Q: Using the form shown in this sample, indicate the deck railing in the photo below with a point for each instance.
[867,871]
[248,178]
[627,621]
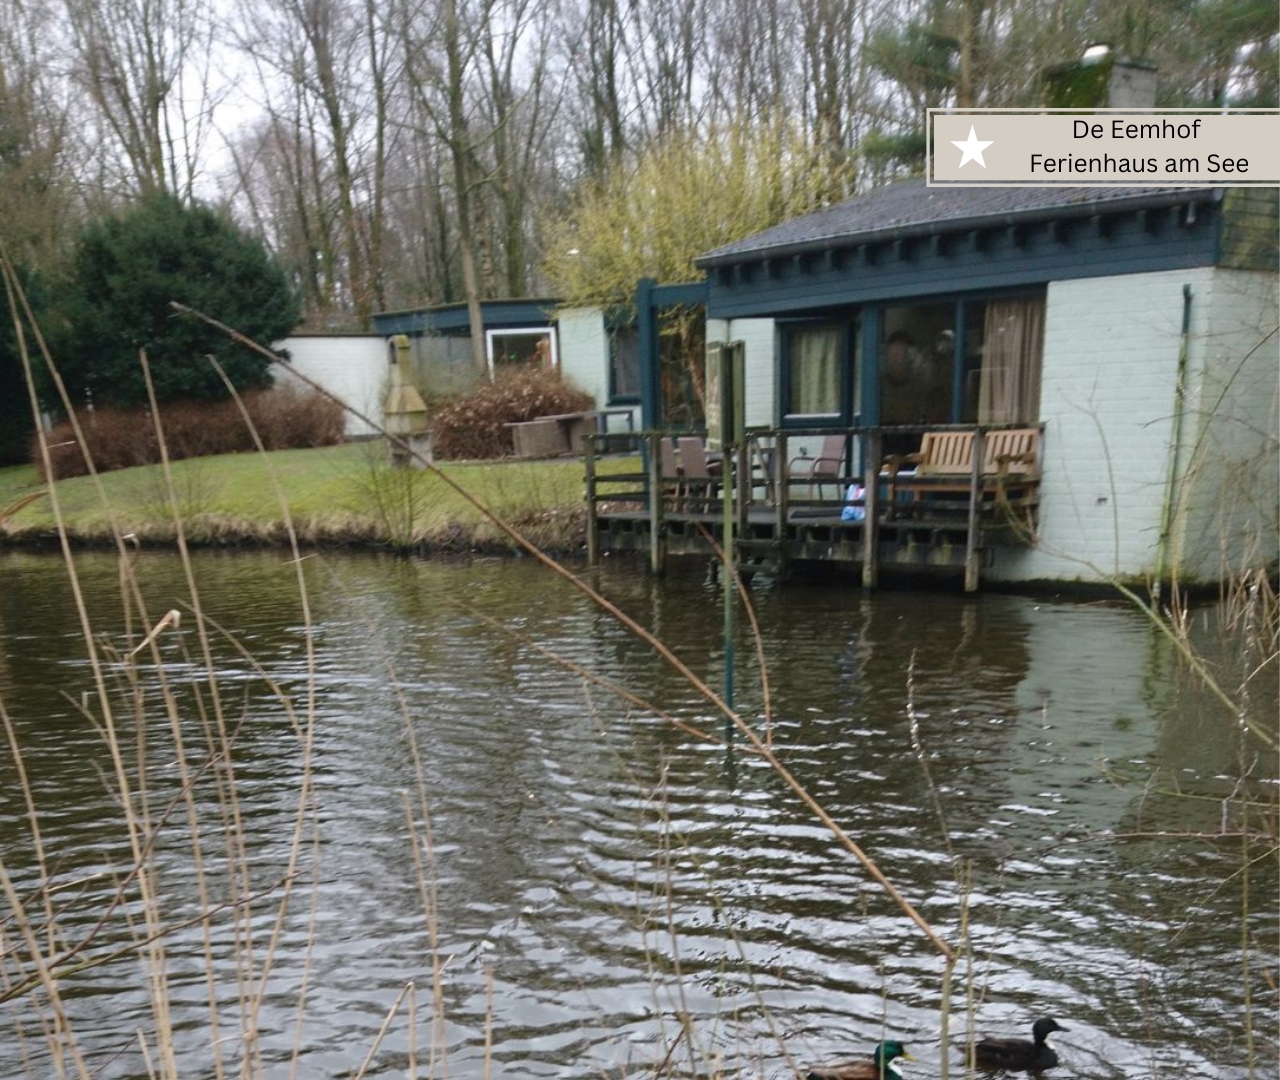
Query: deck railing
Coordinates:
[776,491]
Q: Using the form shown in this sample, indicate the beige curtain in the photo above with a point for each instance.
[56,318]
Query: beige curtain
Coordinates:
[815,370]
[1012,356]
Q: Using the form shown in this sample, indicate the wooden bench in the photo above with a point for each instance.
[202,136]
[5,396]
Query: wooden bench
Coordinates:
[553,436]
[1010,470]
[538,439]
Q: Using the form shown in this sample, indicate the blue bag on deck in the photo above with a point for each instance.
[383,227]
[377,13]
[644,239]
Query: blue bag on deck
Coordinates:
[853,504]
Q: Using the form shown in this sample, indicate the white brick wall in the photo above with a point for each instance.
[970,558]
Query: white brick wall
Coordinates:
[584,359]
[1108,391]
[757,336]
[1230,497]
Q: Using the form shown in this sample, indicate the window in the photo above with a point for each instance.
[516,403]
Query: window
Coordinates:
[1012,356]
[624,364]
[526,345]
[917,358]
[811,365]
[968,361]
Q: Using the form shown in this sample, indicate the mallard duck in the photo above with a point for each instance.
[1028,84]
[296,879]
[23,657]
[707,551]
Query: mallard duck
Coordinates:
[1033,1054]
[883,1065]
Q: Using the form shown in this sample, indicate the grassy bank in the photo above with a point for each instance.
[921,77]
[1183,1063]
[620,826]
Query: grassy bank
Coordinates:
[342,495]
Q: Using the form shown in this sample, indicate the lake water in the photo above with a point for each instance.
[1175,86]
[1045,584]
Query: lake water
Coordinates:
[432,845]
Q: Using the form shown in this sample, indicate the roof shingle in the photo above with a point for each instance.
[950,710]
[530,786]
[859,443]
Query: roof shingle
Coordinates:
[910,206]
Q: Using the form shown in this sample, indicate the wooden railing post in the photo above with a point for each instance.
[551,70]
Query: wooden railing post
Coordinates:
[737,471]
[973,537]
[657,537]
[781,500]
[593,520]
[870,519]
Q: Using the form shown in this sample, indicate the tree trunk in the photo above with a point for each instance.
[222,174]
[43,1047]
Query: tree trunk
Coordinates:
[459,140]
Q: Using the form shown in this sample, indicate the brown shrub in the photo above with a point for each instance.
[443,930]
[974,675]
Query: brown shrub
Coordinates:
[293,416]
[285,416]
[475,426]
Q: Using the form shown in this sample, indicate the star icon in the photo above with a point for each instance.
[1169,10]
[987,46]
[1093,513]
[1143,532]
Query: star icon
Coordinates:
[972,147]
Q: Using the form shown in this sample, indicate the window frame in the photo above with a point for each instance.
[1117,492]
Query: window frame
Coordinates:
[786,329]
[548,332]
[611,336]
[962,304]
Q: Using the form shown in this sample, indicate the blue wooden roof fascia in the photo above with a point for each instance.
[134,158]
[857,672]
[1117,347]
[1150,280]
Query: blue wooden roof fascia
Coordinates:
[1122,236]
[684,292]
[413,323]
[454,319]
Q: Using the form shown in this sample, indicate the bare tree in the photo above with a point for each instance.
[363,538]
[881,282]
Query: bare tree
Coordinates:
[518,104]
[828,31]
[325,71]
[476,74]
[287,190]
[595,50]
[37,166]
[665,44]
[752,59]
[145,67]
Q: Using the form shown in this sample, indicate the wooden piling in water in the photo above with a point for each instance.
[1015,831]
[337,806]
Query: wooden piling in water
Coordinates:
[871,501]
[593,517]
[657,532]
[973,535]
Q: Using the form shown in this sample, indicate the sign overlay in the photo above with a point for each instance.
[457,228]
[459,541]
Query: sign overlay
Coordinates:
[1103,147]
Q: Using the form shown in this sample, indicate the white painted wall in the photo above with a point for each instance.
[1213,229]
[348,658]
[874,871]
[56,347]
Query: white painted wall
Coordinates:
[584,360]
[1107,391]
[1230,493]
[1107,400]
[584,351]
[351,367]
[758,338]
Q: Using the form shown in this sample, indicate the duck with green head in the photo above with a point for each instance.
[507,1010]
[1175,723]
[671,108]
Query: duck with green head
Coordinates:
[883,1065]
[1034,1054]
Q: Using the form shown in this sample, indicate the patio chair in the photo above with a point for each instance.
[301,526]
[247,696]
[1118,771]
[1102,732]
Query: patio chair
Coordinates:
[669,468]
[701,477]
[823,469]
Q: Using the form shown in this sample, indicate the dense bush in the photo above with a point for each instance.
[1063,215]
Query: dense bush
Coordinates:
[125,272]
[475,427]
[16,424]
[284,416]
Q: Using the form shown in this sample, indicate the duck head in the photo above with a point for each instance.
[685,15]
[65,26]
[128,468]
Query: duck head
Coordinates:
[887,1056]
[1044,1027]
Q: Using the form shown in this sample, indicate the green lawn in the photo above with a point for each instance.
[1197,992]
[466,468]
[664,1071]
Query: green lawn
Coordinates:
[343,492]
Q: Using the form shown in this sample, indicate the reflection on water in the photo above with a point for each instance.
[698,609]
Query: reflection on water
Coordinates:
[567,874]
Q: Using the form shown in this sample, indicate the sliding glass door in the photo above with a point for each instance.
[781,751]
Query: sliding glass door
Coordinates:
[960,361]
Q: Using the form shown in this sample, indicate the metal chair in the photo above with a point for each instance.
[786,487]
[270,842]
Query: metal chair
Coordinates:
[670,470]
[823,469]
[700,476]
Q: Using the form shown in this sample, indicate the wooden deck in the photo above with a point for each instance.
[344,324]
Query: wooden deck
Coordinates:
[778,521]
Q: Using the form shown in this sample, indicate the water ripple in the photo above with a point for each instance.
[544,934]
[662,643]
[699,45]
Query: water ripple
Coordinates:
[543,860]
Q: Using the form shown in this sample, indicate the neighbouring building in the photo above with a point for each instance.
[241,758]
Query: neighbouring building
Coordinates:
[352,367]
